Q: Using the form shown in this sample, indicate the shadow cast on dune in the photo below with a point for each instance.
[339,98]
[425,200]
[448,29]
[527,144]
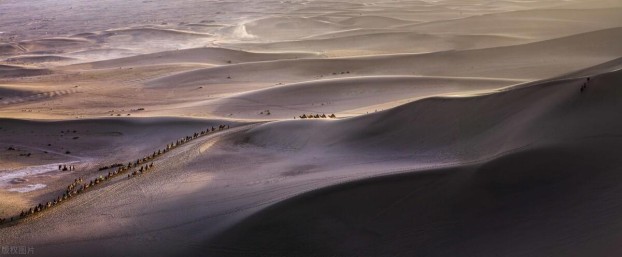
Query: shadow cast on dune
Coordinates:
[556,201]
[551,192]
[11,71]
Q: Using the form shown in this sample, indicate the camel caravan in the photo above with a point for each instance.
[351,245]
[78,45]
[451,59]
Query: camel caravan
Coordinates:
[110,166]
[136,168]
[317,116]
[66,168]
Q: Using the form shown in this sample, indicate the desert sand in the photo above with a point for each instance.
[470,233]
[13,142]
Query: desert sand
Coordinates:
[461,128]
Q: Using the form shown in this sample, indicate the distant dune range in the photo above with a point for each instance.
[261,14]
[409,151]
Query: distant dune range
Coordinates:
[542,24]
[528,61]
[218,56]
[386,42]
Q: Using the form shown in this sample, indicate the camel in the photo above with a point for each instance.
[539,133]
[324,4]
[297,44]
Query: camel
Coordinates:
[76,187]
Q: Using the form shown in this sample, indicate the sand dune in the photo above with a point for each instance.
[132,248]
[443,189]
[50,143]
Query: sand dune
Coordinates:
[13,71]
[372,22]
[207,55]
[538,23]
[20,94]
[73,141]
[91,42]
[15,93]
[52,45]
[514,132]
[9,49]
[526,163]
[610,66]
[133,34]
[343,95]
[100,54]
[108,133]
[147,33]
[447,119]
[538,202]
[386,43]
[284,28]
[9,90]
[34,59]
[537,61]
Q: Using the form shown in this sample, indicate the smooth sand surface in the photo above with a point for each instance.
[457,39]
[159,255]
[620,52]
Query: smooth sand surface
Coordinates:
[463,128]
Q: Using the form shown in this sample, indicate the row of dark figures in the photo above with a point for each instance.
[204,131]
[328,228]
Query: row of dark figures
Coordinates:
[317,116]
[111,166]
[78,187]
[66,168]
[584,86]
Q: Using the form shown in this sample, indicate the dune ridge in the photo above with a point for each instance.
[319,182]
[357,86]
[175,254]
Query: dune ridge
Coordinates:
[207,55]
[497,62]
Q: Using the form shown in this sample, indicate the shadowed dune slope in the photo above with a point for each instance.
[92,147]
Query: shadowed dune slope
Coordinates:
[9,49]
[549,201]
[540,177]
[8,91]
[13,71]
